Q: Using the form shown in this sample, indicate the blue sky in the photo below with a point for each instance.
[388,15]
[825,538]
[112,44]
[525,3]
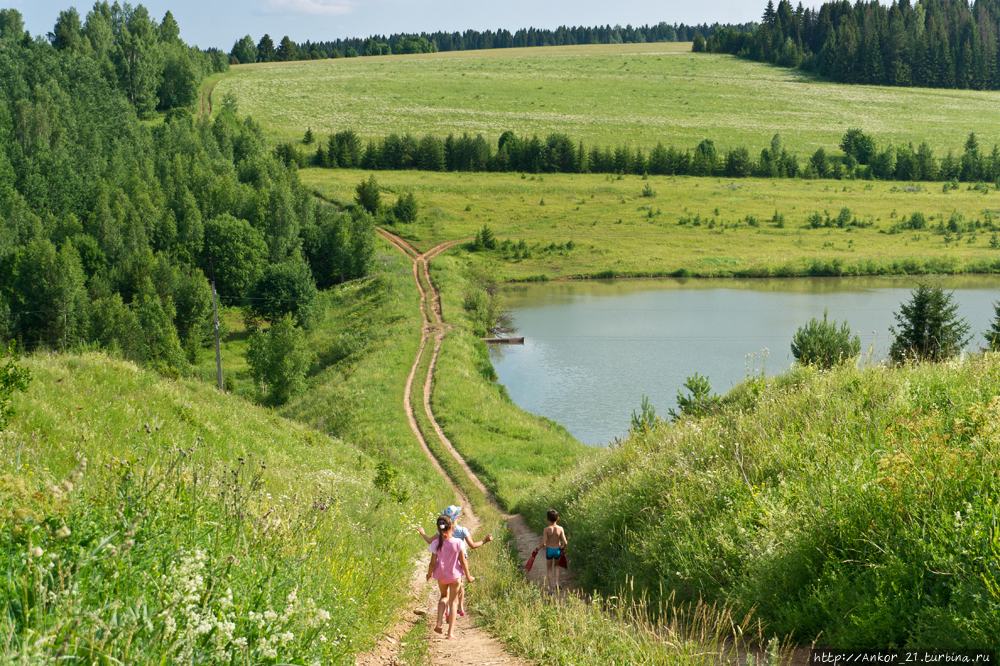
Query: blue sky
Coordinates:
[219,23]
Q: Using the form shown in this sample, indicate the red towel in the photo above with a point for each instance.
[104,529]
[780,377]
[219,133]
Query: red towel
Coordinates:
[562,560]
[531,560]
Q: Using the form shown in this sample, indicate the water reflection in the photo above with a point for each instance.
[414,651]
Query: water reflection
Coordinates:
[592,349]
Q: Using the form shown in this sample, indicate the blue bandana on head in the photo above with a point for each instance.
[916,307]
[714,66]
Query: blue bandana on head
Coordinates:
[453,512]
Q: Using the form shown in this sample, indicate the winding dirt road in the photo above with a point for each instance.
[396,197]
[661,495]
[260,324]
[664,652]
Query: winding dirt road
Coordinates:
[474,646]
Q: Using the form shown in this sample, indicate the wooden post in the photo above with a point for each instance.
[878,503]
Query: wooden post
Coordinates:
[218,352]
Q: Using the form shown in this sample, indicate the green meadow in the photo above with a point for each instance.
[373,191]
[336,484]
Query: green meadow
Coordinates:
[631,94]
[728,225]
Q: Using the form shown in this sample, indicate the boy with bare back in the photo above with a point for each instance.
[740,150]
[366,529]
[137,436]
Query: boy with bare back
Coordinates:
[554,541]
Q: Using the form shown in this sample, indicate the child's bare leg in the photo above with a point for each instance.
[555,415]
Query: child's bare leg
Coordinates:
[549,572]
[461,598]
[453,593]
[555,575]
[442,605]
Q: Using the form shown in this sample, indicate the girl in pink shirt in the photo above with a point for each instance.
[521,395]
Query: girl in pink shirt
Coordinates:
[447,566]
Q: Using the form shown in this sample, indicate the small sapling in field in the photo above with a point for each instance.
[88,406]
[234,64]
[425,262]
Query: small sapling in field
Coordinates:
[822,344]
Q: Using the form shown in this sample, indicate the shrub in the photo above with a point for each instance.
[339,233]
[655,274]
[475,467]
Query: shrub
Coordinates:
[702,400]
[917,221]
[406,209]
[278,360]
[644,421]
[285,288]
[824,345]
[12,378]
[485,240]
[367,195]
[485,304]
[929,328]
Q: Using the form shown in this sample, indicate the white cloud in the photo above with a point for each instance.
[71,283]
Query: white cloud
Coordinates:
[320,7]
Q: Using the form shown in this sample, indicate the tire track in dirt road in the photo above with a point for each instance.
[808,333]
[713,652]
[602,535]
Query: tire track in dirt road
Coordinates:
[474,645]
[525,537]
[206,100]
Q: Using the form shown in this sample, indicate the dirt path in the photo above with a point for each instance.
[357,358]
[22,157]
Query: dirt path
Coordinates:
[206,101]
[473,645]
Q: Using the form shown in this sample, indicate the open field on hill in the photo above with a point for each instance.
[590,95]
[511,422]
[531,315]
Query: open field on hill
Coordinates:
[635,94]
[617,231]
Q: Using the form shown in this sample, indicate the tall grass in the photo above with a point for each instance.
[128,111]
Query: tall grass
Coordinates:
[144,519]
[602,630]
[856,506]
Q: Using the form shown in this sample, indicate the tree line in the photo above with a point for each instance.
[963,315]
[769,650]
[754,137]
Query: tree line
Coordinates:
[145,60]
[932,43]
[245,50]
[110,228]
[863,158]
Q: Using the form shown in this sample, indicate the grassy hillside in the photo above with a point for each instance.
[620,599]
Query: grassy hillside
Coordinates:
[702,226]
[635,94]
[363,343]
[183,482]
[143,517]
[858,506]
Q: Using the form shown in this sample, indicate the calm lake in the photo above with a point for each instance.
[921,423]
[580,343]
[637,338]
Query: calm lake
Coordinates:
[592,349]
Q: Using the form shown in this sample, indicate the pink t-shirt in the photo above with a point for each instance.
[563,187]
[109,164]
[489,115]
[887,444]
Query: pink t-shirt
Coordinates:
[448,566]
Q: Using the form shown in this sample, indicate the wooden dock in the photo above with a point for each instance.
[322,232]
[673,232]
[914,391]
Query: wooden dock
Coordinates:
[505,341]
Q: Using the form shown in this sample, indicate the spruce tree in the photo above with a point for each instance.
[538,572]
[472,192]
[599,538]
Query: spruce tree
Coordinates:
[367,195]
[993,334]
[265,49]
[286,50]
[929,326]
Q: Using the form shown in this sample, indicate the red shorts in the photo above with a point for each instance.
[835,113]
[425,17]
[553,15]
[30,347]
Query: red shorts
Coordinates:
[449,581]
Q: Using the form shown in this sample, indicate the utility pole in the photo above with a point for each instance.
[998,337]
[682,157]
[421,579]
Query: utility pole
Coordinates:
[218,352]
[215,317]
